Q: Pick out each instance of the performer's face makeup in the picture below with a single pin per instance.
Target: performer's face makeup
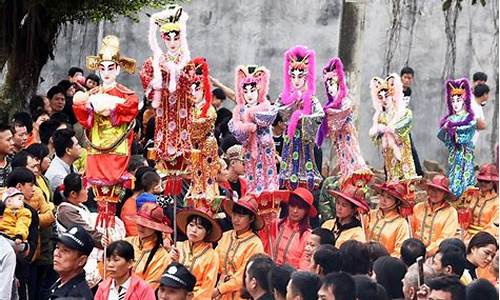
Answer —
(333, 85)
(197, 91)
(457, 103)
(108, 71)
(384, 98)
(251, 94)
(172, 41)
(298, 78)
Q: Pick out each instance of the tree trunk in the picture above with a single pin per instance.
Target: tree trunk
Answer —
(350, 52)
(495, 99)
(32, 46)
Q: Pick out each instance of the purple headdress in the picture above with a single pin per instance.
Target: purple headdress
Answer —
(298, 57)
(453, 88)
(333, 67)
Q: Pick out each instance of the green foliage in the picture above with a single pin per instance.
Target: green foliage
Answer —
(97, 10)
(458, 3)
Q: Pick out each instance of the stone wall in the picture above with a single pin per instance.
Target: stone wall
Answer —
(232, 32)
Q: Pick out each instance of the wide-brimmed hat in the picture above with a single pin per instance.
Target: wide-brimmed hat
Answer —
(306, 196)
(151, 215)
(250, 203)
(397, 190)
(488, 172)
(182, 217)
(353, 194)
(441, 183)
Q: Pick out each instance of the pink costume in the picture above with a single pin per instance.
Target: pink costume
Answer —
(339, 126)
(167, 84)
(287, 244)
(251, 126)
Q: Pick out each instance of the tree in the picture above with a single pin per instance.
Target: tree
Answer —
(28, 37)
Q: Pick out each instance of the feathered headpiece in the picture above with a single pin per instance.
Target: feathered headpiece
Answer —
(110, 51)
(171, 19)
(394, 88)
(459, 87)
(333, 68)
(200, 66)
(251, 74)
(299, 58)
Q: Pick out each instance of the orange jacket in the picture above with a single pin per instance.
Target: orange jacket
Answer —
(234, 252)
(484, 213)
(129, 209)
(390, 229)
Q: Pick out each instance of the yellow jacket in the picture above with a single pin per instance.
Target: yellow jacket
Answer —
(234, 252)
(45, 209)
(484, 210)
(203, 262)
(389, 229)
(156, 266)
(432, 226)
(16, 223)
(354, 233)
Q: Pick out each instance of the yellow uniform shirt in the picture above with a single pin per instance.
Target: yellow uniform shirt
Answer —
(234, 252)
(354, 233)
(389, 229)
(433, 225)
(484, 210)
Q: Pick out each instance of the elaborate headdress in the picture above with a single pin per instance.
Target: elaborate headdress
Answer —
(333, 68)
(110, 51)
(200, 66)
(169, 20)
(299, 58)
(251, 74)
(459, 87)
(394, 87)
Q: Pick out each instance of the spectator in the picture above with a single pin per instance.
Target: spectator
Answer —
(376, 250)
(410, 281)
(303, 286)
(255, 278)
(238, 245)
(411, 250)
(326, 260)
(8, 265)
(447, 288)
(455, 242)
(481, 95)
(69, 91)
(151, 183)
(16, 218)
(278, 280)
(450, 261)
(148, 244)
(368, 289)
(56, 98)
(38, 118)
(20, 130)
(122, 282)
(72, 210)
(176, 283)
(6, 150)
(70, 256)
(389, 272)
(479, 78)
(481, 289)
(236, 171)
(355, 258)
(39, 103)
(41, 154)
(136, 161)
(480, 252)
(347, 224)
(74, 74)
(92, 81)
(47, 130)
(337, 286)
(444, 221)
(279, 127)
(129, 208)
(67, 152)
(223, 114)
(319, 236)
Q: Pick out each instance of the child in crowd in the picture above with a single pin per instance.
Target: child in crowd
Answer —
(151, 182)
(16, 218)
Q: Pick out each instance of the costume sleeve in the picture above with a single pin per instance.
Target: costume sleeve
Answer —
(338, 118)
(84, 114)
(310, 123)
(235, 283)
(146, 75)
(126, 112)
(403, 125)
(464, 134)
(205, 288)
(238, 132)
(450, 226)
(265, 118)
(23, 223)
(402, 233)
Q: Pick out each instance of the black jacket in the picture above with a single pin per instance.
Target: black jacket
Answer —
(75, 288)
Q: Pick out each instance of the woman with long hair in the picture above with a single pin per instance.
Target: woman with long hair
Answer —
(122, 282)
(238, 245)
(290, 234)
(480, 253)
(196, 252)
